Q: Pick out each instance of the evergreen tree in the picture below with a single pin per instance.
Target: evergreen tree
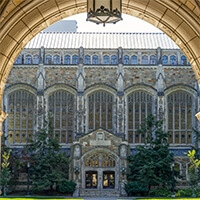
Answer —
(151, 165)
(49, 166)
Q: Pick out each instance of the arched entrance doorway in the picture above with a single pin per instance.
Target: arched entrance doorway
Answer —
(99, 159)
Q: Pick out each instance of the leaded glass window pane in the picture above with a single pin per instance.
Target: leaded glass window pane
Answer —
(100, 111)
(56, 59)
(113, 59)
(140, 105)
(61, 108)
(74, 59)
(179, 120)
(87, 60)
(106, 60)
(153, 59)
(173, 60)
(145, 60)
(36, 59)
(164, 60)
(67, 59)
(134, 60)
(48, 59)
(183, 60)
(95, 60)
(28, 59)
(21, 118)
(126, 60)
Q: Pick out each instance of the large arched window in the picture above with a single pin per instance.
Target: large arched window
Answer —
(100, 110)
(106, 60)
(152, 59)
(56, 59)
(113, 59)
(179, 119)
(134, 60)
(140, 105)
(28, 59)
(48, 59)
(21, 117)
(126, 60)
(145, 60)
(164, 60)
(95, 60)
(74, 59)
(67, 60)
(36, 59)
(61, 108)
(87, 60)
(173, 60)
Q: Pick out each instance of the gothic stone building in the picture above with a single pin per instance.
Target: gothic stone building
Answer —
(99, 88)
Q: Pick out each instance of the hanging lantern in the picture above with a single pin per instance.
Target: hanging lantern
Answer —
(104, 11)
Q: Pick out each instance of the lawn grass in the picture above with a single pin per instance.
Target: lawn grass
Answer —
(37, 198)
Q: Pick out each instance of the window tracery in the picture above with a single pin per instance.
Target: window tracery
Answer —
(100, 160)
(87, 60)
(153, 59)
(56, 59)
(164, 60)
(113, 59)
(140, 105)
(67, 59)
(48, 59)
(36, 59)
(106, 60)
(28, 59)
(126, 60)
(21, 119)
(74, 59)
(145, 60)
(134, 60)
(95, 60)
(180, 118)
(61, 109)
(183, 60)
(100, 110)
(173, 60)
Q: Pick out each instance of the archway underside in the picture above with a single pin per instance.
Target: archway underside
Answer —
(21, 20)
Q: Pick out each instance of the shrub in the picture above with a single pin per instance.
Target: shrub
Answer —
(66, 186)
(135, 188)
(184, 193)
(160, 192)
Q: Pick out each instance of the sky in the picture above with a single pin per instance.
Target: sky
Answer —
(128, 24)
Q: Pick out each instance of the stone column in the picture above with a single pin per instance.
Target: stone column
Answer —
(160, 86)
(120, 95)
(80, 82)
(40, 91)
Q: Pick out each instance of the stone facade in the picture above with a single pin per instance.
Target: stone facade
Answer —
(101, 101)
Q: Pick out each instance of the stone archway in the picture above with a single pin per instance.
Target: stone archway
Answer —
(21, 20)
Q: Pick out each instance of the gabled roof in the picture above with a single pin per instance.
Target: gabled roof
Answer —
(71, 40)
